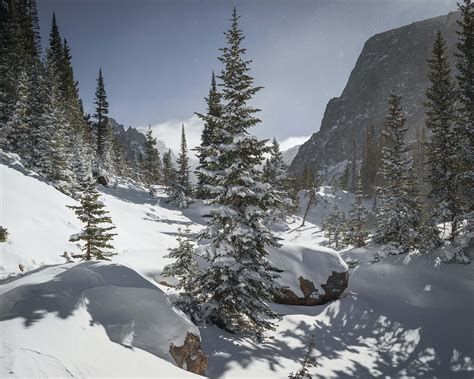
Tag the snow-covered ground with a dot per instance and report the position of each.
(399, 317)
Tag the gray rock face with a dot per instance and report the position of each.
(395, 59)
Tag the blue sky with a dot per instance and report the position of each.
(157, 55)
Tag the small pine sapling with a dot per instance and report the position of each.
(96, 234)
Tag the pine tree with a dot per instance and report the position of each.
(334, 227)
(96, 234)
(206, 151)
(152, 161)
(356, 232)
(102, 127)
(239, 280)
(353, 172)
(463, 156)
(275, 173)
(185, 269)
(440, 117)
(181, 190)
(169, 172)
(345, 178)
(398, 214)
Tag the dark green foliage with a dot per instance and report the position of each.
(356, 232)
(181, 190)
(209, 136)
(169, 172)
(96, 235)
(152, 162)
(185, 270)
(334, 227)
(102, 133)
(398, 215)
(440, 118)
(3, 234)
(464, 127)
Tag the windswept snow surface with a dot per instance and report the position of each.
(399, 317)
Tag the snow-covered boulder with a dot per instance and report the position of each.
(95, 306)
(310, 276)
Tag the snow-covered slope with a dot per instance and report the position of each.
(399, 317)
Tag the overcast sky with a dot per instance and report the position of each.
(157, 55)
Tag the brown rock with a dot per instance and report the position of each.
(334, 287)
(190, 356)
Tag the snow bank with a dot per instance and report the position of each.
(59, 321)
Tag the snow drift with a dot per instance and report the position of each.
(50, 313)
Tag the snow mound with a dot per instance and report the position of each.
(49, 314)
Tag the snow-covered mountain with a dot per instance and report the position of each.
(402, 316)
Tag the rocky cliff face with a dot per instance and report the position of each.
(395, 59)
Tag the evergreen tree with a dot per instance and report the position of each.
(463, 156)
(206, 151)
(152, 161)
(440, 117)
(275, 173)
(334, 227)
(181, 190)
(102, 127)
(356, 232)
(185, 269)
(398, 213)
(169, 172)
(239, 280)
(353, 172)
(96, 234)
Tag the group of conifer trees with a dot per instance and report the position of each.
(41, 114)
(410, 205)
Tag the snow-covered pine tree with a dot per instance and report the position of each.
(96, 235)
(440, 117)
(239, 280)
(464, 128)
(398, 214)
(169, 172)
(356, 231)
(206, 151)
(103, 134)
(334, 227)
(185, 270)
(275, 173)
(152, 162)
(181, 190)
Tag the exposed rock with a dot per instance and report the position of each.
(190, 356)
(102, 180)
(334, 287)
(395, 59)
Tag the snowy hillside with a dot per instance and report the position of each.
(398, 318)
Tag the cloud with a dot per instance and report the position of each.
(289, 142)
(170, 132)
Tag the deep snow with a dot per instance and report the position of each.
(400, 317)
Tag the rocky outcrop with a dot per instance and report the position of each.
(190, 356)
(395, 59)
(333, 289)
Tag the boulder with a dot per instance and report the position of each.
(190, 356)
(309, 277)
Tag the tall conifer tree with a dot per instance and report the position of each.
(239, 280)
